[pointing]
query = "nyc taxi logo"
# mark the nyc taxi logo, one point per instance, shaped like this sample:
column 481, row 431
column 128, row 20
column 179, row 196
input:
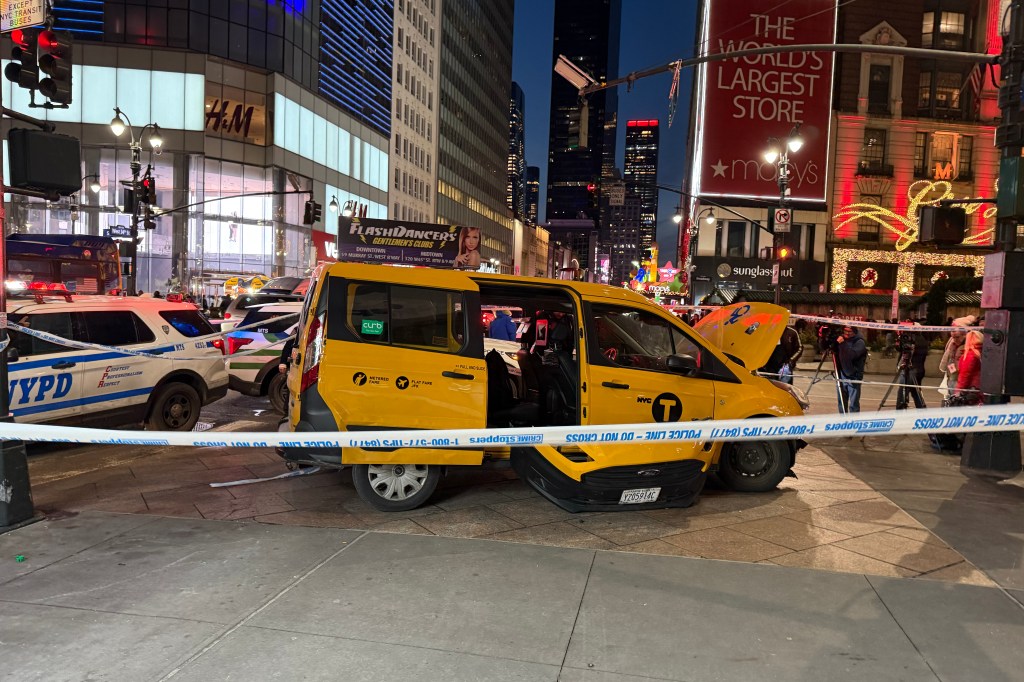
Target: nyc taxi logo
column 38, row 389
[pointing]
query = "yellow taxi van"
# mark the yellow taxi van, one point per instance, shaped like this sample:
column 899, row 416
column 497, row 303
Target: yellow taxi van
column 388, row 348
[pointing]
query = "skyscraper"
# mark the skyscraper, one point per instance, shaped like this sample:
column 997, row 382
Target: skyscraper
column 587, row 33
column 641, row 174
column 515, row 192
column 472, row 158
column 532, row 193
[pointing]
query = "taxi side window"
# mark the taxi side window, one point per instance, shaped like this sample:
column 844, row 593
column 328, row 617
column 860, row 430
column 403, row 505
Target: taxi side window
column 115, row 328
column 413, row 317
column 58, row 324
column 639, row 339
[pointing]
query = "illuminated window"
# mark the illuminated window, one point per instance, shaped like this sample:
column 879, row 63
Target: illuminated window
column 924, row 97
column 928, row 29
column 921, row 155
column 947, row 90
column 867, row 229
column 872, row 153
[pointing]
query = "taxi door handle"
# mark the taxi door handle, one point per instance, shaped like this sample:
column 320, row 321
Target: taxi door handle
column 458, row 375
column 63, row 365
column 614, row 384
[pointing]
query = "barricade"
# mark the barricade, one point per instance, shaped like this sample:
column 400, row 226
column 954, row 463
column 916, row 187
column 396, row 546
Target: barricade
column 946, row 420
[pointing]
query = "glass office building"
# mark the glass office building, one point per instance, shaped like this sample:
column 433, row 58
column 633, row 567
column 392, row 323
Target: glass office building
column 262, row 99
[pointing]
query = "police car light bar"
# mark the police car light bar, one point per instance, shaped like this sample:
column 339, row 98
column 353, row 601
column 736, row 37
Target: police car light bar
column 41, row 290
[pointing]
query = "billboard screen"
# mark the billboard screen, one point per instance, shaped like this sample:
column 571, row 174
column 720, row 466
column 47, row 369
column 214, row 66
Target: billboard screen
column 743, row 102
column 396, row 242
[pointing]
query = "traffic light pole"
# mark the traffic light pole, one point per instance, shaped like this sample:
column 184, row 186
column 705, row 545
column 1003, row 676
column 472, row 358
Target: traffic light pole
column 136, row 166
column 16, row 505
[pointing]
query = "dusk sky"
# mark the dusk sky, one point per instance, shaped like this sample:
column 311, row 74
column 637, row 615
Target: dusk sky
column 654, row 32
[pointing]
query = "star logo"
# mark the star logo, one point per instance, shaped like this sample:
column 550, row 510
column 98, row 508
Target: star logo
column 402, row 383
column 719, row 168
column 359, row 378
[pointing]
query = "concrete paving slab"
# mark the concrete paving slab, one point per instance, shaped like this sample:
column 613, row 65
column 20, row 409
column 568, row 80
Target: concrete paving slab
column 964, row 632
column 687, row 619
column 590, row 675
column 53, row 540
column 54, row 644
column 257, row 654
column 213, row 571
column 469, row 596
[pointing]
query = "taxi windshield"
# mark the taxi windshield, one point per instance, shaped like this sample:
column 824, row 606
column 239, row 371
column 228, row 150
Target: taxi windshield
column 638, row 338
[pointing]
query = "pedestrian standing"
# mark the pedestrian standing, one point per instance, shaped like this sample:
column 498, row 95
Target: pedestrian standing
column 852, row 353
column 949, row 365
column 968, row 382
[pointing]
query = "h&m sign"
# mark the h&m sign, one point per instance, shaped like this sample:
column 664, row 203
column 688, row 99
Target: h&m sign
column 237, row 120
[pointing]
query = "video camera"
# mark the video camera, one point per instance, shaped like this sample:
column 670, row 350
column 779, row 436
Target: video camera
column 828, row 335
column 905, row 341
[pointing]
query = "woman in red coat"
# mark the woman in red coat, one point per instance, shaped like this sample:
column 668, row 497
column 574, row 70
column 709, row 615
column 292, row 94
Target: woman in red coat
column 968, row 381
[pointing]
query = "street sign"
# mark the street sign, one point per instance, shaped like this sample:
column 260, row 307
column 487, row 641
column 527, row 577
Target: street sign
column 21, row 14
column 617, row 194
column 118, row 232
column 775, row 273
column 782, row 218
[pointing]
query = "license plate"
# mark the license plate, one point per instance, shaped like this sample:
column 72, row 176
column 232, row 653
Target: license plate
column 639, row 495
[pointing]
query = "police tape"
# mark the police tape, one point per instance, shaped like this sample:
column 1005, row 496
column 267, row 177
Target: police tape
column 197, row 343
column 860, row 324
column 902, row 422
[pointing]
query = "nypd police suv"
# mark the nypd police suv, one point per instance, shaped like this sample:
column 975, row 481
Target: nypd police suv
column 54, row 382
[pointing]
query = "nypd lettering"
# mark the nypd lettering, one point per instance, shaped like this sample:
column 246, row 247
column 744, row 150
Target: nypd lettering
column 39, row 388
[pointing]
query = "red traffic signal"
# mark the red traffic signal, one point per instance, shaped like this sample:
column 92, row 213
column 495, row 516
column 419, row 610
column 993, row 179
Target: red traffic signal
column 591, row 187
column 23, row 68
column 148, row 195
column 55, row 61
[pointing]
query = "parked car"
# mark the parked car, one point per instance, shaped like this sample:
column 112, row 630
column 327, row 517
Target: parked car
column 55, row 383
column 235, row 312
column 256, row 373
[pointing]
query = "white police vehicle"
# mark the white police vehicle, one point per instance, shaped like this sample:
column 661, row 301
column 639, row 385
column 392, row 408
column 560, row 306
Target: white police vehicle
column 265, row 328
column 56, row 383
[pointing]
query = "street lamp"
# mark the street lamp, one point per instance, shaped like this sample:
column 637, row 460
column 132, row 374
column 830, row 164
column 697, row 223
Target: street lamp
column 778, row 154
column 95, row 185
column 333, row 206
column 349, row 209
column 118, row 125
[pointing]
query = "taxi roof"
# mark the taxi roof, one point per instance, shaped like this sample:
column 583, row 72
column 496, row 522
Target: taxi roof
column 441, row 278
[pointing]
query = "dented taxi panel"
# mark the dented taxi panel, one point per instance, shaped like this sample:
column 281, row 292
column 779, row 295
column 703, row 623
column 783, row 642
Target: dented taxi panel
column 748, row 332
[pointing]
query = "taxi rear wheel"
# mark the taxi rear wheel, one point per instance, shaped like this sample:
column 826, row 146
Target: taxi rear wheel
column 395, row 487
column 174, row 407
column 754, row 466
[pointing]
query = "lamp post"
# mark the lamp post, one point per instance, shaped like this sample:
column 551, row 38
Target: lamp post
column 118, row 125
column 778, row 154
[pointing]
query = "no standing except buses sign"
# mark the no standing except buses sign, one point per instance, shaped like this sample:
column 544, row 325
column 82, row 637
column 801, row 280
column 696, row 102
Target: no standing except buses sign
column 21, row 13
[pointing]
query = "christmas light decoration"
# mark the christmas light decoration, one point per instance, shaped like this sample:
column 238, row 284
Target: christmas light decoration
column 905, row 227
column 905, row 260
column 940, row 275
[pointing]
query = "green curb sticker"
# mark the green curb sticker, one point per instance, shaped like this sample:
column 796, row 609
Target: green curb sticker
column 373, row 327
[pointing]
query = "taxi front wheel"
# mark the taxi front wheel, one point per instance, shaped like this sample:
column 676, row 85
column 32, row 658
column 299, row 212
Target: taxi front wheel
column 395, row 487
column 754, row 466
column 174, row 407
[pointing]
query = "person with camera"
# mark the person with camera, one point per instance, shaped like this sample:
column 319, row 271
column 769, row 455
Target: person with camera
column 852, row 353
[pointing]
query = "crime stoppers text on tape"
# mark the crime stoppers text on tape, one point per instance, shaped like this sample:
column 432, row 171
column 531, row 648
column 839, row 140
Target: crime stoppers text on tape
column 946, row 420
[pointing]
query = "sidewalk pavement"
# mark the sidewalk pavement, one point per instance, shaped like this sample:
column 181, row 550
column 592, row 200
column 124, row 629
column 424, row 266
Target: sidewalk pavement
column 110, row 596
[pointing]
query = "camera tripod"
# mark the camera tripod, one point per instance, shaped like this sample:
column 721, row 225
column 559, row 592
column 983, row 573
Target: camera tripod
column 834, row 373
column 906, row 385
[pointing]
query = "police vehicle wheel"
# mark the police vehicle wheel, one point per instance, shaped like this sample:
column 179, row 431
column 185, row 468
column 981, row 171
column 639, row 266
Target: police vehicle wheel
column 753, row 466
column 395, row 487
column 174, row 407
column 277, row 391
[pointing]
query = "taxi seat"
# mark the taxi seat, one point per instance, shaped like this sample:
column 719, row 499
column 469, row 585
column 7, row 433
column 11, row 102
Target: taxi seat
column 503, row 409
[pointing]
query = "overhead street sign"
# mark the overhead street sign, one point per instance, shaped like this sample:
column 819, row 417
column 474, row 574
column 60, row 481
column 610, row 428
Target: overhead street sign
column 21, row 14
column 782, row 217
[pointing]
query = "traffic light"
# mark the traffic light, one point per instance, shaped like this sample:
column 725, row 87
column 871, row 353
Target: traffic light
column 24, row 69
column 147, row 193
column 148, row 220
column 55, row 61
column 783, row 252
column 942, row 225
column 129, row 201
column 313, row 213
